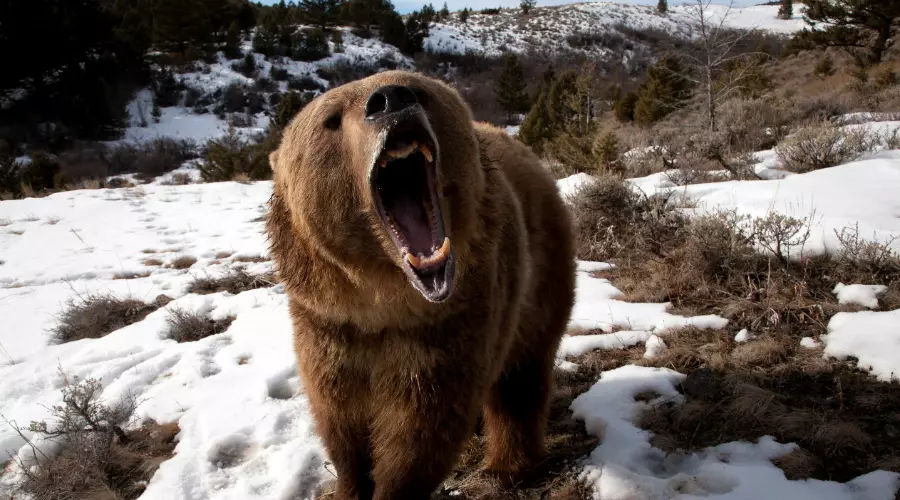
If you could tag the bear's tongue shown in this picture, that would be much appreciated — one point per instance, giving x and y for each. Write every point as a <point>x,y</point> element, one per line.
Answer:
<point>409,213</point>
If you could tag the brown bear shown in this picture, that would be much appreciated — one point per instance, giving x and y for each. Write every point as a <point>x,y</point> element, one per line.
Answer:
<point>429,265</point>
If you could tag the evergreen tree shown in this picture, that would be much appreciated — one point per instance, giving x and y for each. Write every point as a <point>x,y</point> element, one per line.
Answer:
<point>624,107</point>
<point>464,15</point>
<point>416,31</point>
<point>786,10</point>
<point>232,47</point>
<point>606,151</point>
<point>664,91</point>
<point>290,104</point>
<point>537,128</point>
<point>510,87</point>
<point>393,31</point>
<point>319,13</point>
<point>444,13</point>
<point>864,27</point>
<point>662,7</point>
<point>310,45</point>
<point>527,5</point>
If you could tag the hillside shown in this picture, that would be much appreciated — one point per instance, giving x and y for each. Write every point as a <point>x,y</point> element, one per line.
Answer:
<point>596,28</point>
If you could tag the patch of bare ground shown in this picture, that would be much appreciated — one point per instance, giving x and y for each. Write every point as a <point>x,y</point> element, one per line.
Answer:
<point>130,275</point>
<point>96,315</point>
<point>235,281</point>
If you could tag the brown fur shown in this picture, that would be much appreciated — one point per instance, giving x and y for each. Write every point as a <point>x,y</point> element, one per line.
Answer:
<point>397,383</point>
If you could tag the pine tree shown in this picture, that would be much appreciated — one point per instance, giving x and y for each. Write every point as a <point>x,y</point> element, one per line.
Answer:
<point>527,5</point>
<point>664,91</point>
<point>416,30</point>
<point>318,12</point>
<point>291,104</point>
<point>623,107</point>
<point>606,151</point>
<point>786,11</point>
<point>863,27</point>
<point>232,47</point>
<point>662,7</point>
<point>444,13</point>
<point>510,87</point>
<point>537,128</point>
<point>464,15</point>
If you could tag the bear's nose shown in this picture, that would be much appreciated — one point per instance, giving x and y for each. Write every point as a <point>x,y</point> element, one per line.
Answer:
<point>389,99</point>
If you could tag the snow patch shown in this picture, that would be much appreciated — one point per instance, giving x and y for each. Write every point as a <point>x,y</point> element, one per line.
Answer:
<point>873,338</point>
<point>863,295</point>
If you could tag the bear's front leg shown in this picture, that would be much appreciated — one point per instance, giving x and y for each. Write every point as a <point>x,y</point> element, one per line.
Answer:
<point>417,438</point>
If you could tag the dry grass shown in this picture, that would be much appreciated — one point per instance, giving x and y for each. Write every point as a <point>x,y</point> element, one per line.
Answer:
<point>98,459</point>
<point>95,315</point>
<point>250,258</point>
<point>844,420</point>
<point>223,255</point>
<point>235,281</point>
<point>822,146</point>
<point>130,275</point>
<point>152,262</point>
<point>182,262</point>
<point>183,325</point>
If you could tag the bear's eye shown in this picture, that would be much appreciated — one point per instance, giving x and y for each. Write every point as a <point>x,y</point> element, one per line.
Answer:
<point>421,96</point>
<point>334,121</point>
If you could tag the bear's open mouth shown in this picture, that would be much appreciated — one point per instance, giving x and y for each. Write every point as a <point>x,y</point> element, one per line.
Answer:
<point>404,186</point>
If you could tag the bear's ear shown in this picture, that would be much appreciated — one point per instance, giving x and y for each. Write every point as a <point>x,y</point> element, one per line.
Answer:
<point>273,158</point>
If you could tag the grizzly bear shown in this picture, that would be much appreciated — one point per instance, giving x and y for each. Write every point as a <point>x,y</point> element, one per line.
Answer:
<point>430,271</point>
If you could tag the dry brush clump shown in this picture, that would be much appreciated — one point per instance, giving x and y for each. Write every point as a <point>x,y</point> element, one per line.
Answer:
<point>95,315</point>
<point>98,455</point>
<point>235,281</point>
<point>611,218</point>
<point>823,146</point>
<point>184,325</point>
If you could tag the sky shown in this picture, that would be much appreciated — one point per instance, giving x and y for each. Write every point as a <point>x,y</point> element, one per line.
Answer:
<point>407,6</point>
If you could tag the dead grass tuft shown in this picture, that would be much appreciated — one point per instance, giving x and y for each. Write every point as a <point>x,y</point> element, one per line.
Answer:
<point>182,262</point>
<point>130,275</point>
<point>98,459</point>
<point>235,281</point>
<point>250,258</point>
<point>96,315</point>
<point>188,326</point>
<point>152,262</point>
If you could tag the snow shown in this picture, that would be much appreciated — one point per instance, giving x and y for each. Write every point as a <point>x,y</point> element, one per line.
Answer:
<point>654,347</point>
<point>873,338</point>
<point>743,336</point>
<point>625,466</point>
<point>863,295</point>
<point>569,186</point>
<point>810,343</point>
<point>547,29</point>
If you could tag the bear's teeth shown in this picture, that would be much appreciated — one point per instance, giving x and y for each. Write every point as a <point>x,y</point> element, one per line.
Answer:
<point>426,152</point>
<point>403,152</point>
<point>440,255</point>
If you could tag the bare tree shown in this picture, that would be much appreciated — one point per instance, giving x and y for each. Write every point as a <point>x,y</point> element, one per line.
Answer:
<point>718,62</point>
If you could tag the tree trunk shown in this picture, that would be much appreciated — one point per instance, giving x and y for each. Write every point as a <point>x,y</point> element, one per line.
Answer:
<point>710,101</point>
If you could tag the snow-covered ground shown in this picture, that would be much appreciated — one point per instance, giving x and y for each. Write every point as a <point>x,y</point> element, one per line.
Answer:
<point>245,426</point>
<point>211,79</point>
<point>548,28</point>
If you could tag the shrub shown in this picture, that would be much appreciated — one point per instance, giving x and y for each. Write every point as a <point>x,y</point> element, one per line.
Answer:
<point>610,216</point>
<point>247,66</point>
<point>230,156</point>
<point>814,148</point>
<point>149,159</point>
<point>886,78</point>
<point>234,98</point>
<point>96,315</point>
<point>279,74</point>
<point>95,453</point>
<point>235,281</point>
<point>490,11</point>
<point>183,325</point>
<point>303,83</point>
